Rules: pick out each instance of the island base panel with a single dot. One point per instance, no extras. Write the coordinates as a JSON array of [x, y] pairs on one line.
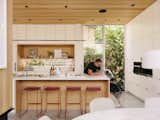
[[53, 95]]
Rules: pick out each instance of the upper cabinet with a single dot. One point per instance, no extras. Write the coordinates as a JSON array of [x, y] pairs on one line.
[[60, 32], [18, 31], [47, 32]]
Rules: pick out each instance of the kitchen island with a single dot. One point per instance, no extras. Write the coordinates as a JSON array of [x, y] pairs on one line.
[[61, 81]]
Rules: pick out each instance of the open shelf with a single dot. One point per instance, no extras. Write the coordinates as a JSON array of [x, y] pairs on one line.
[[43, 55], [43, 51]]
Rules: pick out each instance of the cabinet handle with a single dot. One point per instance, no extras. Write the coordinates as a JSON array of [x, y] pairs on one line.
[[15, 67]]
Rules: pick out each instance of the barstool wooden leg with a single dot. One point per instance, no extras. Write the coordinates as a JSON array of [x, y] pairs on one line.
[[27, 102], [37, 101], [25, 93], [85, 103], [81, 107], [46, 107], [59, 103], [41, 93], [66, 94]]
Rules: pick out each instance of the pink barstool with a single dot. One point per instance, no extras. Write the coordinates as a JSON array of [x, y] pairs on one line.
[[38, 100], [48, 89], [90, 89], [73, 89]]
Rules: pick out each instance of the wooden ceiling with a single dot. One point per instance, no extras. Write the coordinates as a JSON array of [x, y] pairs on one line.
[[77, 11]]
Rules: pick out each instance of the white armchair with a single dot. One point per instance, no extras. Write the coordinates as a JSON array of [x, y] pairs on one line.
[[100, 104], [44, 118]]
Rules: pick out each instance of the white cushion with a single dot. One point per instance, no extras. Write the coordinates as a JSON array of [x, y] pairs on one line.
[[100, 104], [44, 118]]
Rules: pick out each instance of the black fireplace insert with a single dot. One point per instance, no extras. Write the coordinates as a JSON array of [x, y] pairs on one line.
[[141, 71]]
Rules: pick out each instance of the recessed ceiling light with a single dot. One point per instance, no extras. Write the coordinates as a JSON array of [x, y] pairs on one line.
[[60, 19], [102, 11], [65, 6], [29, 19], [133, 5], [26, 6]]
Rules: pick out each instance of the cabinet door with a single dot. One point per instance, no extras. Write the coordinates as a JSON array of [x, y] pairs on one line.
[[156, 87], [35, 32], [78, 32], [49, 32], [70, 32], [19, 32], [60, 32]]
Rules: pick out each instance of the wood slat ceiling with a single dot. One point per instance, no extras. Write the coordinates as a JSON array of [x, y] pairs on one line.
[[77, 11]]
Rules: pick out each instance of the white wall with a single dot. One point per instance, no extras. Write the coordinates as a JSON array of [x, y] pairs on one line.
[[142, 35], [3, 34]]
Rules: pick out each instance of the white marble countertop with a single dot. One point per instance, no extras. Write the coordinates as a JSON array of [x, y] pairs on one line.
[[82, 77]]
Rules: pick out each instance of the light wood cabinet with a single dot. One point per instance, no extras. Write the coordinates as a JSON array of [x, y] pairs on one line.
[[75, 51], [20, 102]]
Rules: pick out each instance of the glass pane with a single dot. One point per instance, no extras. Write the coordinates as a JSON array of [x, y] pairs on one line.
[[92, 47]]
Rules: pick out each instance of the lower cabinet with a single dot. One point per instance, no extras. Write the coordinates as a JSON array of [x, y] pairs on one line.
[[142, 87], [156, 88]]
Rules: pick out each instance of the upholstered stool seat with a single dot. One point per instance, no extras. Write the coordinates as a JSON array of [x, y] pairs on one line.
[[93, 88]]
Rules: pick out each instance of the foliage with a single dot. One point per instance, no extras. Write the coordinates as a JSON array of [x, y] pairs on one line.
[[90, 55], [98, 34], [114, 52], [36, 62]]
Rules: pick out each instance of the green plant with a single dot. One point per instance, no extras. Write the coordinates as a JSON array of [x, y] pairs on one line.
[[51, 54], [114, 52], [90, 56], [36, 62]]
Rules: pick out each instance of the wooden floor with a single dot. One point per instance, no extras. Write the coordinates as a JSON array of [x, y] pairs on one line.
[[126, 100]]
